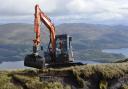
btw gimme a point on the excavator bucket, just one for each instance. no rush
(34, 61)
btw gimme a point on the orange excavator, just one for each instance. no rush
(59, 48)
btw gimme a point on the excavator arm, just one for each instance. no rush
(41, 17)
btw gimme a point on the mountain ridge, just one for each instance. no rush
(86, 37)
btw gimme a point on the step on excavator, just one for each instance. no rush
(59, 48)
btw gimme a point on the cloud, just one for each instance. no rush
(22, 7)
(80, 6)
(73, 10)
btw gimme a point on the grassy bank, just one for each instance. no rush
(99, 76)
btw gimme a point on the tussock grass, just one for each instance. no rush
(29, 78)
(25, 79)
(124, 86)
(98, 71)
(5, 82)
(112, 70)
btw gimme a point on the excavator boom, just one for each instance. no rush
(41, 17)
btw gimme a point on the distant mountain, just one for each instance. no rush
(87, 35)
(16, 33)
(16, 38)
(96, 36)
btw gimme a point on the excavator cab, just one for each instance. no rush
(64, 52)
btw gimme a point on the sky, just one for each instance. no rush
(66, 11)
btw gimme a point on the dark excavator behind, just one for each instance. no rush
(59, 48)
